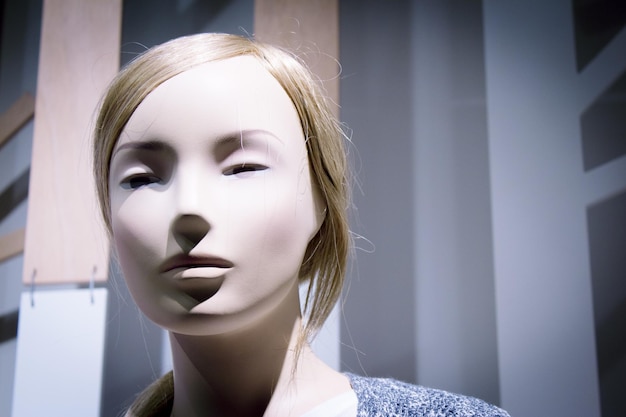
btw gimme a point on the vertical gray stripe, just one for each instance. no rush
(376, 104)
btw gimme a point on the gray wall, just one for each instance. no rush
(379, 306)
(421, 305)
(456, 332)
(500, 203)
(546, 336)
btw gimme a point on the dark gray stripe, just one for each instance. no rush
(14, 194)
(8, 326)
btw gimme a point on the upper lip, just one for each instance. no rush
(194, 261)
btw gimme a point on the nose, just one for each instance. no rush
(190, 225)
(189, 230)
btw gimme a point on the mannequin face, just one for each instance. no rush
(212, 205)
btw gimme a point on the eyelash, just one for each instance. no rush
(138, 181)
(246, 169)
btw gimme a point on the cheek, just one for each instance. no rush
(139, 247)
(279, 221)
(137, 236)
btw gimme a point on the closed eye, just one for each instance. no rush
(244, 170)
(137, 181)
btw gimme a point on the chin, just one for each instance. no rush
(207, 324)
(219, 314)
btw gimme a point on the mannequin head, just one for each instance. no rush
(325, 252)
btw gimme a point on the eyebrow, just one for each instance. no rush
(244, 135)
(239, 138)
(151, 145)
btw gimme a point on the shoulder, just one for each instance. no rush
(389, 397)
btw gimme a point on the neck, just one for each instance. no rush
(250, 372)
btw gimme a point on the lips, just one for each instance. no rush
(183, 261)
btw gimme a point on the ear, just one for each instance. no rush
(320, 217)
(313, 243)
(320, 207)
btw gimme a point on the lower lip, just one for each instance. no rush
(206, 272)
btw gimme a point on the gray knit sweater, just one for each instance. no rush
(379, 397)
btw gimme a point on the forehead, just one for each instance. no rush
(232, 94)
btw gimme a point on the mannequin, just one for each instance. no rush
(222, 179)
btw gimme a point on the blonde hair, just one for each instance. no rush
(325, 258)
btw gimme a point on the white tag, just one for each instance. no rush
(60, 353)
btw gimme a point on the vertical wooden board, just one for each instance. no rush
(80, 43)
(310, 28)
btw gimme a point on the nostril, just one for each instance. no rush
(189, 230)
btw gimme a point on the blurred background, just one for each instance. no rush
(489, 147)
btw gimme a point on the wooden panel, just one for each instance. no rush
(80, 43)
(16, 116)
(11, 244)
(308, 27)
